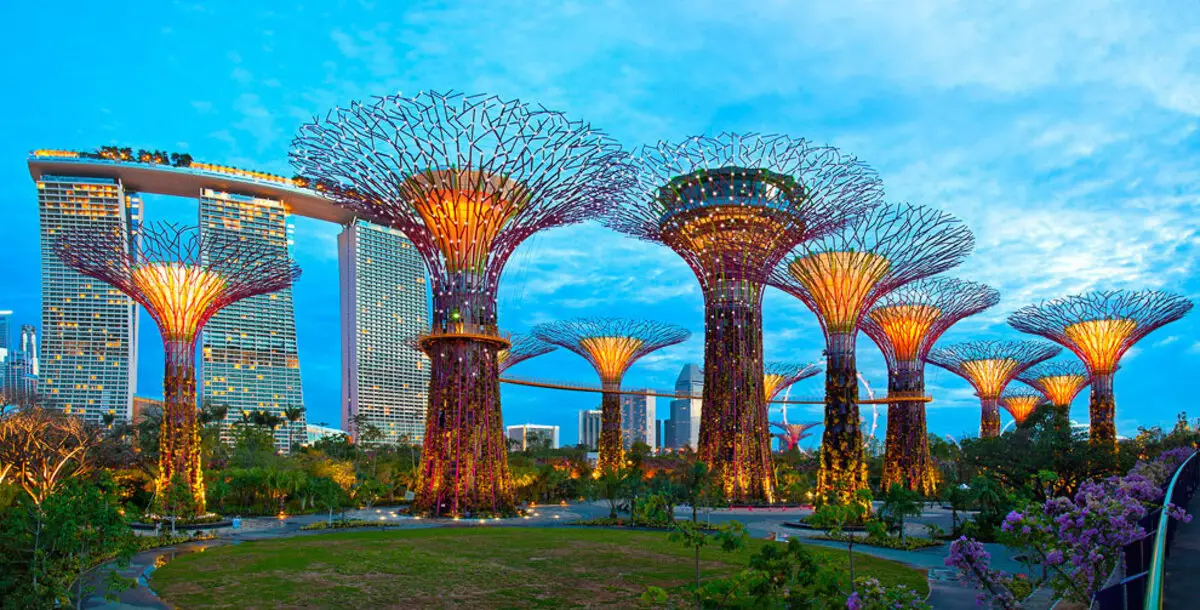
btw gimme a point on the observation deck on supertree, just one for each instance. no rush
(1100, 327)
(182, 281)
(466, 179)
(732, 206)
(1020, 403)
(611, 346)
(989, 366)
(840, 277)
(905, 324)
(1060, 381)
(523, 348)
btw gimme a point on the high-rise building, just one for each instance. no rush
(589, 429)
(89, 329)
(385, 306)
(637, 420)
(684, 419)
(660, 436)
(250, 360)
(525, 435)
(5, 337)
(20, 369)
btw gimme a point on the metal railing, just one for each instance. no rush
(1179, 493)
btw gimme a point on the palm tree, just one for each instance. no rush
(293, 415)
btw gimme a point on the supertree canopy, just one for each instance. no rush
(1060, 381)
(790, 435)
(839, 277)
(523, 348)
(1100, 327)
(1020, 403)
(905, 324)
(466, 179)
(989, 366)
(780, 375)
(182, 281)
(732, 206)
(611, 345)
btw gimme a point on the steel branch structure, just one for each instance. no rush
(611, 345)
(779, 375)
(732, 207)
(466, 179)
(989, 366)
(1060, 381)
(1100, 327)
(182, 281)
(523, 348)
(840, 277)
(1020, 403)
(905, 324)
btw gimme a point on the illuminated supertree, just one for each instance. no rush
(1020, 403)
(732, 207)
(182, 281)
(905, 324)
(466, 179)
(792, 434)
(523, 348)
(989, 366)
(779, 375)
(1060, 381)
(840, 277)
(611, 345)
(1100, 327)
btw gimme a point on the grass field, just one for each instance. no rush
(458, 568)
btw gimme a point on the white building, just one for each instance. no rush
(589, 428)
(314, 433)
(527, 434)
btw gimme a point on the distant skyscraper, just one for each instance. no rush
(660, 438)
(6, 344)
(589, 428)
(20, 369)
(385, 305)
(250, 360)
(528, 434)
(684, 420)
(637, 420)
(89, 329)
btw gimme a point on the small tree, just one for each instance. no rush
(326, 494)
(177, 500)
(900, 502)
(834, 515)
(729, 536)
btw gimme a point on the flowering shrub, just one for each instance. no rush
(972, 562)
(872, 595)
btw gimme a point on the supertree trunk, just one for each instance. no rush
(612, 451)
(989, 417)
(464, 460)
(842, 464)
(179, 437)
(907, 460)
(734, 437)
(1103, 431)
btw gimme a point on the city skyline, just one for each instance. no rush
(1069, 208)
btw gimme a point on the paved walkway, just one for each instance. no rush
(1182, 574)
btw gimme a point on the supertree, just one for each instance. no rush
(989, 366)
(905, 324)
(466, 179)
(840, 277)
(523, 348)
(732, 206)
(1060, 381)
(790, 435)
(1100, 327)
(182, 280)
(611, 345)
(1020, 403)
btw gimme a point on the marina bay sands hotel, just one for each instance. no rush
(249, 360)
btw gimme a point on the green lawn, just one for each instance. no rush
(482, 567)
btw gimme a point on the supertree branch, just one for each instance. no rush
(1020, 403)
(523, 348)
(791, 434)
(466, 179)
(779, 375)
(611, 346)
(840, 276)
(1100, 327)
(732, 206)
(989, 366)
(182, 281)
(905, 324)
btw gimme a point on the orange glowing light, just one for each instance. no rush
(714, 232)
(771, 384)
(1020, 406)
(178, 295)
(839, 284)
(502, 355)
(465, 211)
(611, 355)
(1060, 390)
(906, 326)
(1100, 342)
(989, 376)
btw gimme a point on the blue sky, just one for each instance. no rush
(1065, 134)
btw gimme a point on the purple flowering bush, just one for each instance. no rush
(870, 594)
(972, 562)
